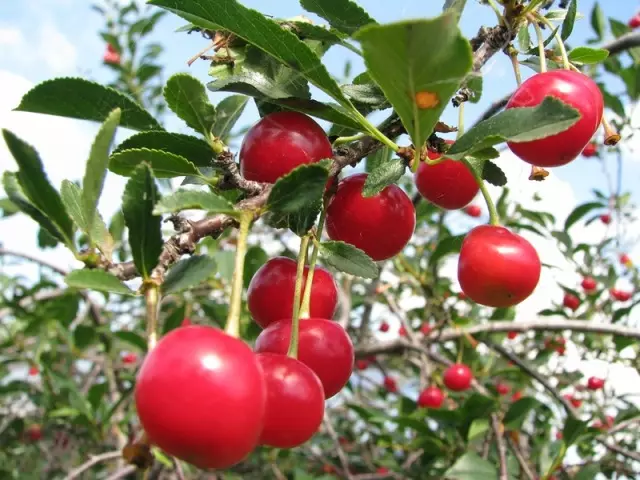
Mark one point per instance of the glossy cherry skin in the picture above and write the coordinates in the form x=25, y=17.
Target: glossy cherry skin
x=384, y=327
x=511, y=335
x=362, y=364
x=201, y=397
x=634, y=22
x=323, y=346
x=295, y=401
x=605, y=218
x=457, y=377
x=382, y=470
x=390, y=385
x=574, y=89
x=502, y=388
x=33, y=371
x=425, y=329
x=590, y=150
x=516, y=396
x=497, y=267
x=129, y=358
x=402, y=332
x=280, y=142
x=473, y=211
x=620, y=295
x=588, y=284
x=448, y=184
x=271, y=291
x=571, y=301
x=380, y=226
x=186, y=322
x=595, y=383
x=431, y=397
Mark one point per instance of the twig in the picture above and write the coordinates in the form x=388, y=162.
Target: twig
x=344, y=461
x=500, y=447
x=123, y=472
x=524, y=466
x=93, y=460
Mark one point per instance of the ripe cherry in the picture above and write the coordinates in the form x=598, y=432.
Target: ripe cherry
x=620, y=295
x=448, y=184
x=384, y=327
x=390, y=384
x=516, y=396
x=129, y=358
x=425, y=329
x=588, y=284
x=33, y=433
x=462, y=296
x=502, y=388
x=571, y=301
x=323, y=346
x=431, y=397
x=457, y=377
x=295, y=401
x=473, y=211
x=576, y=402
x=605, y=218
x=590, y=150
x=201, y=396
x=512, y=334
x=402, y=332
x=634, y=22
x=497, y=267
x=280, y=142
x=111, y=56
x=33, y=371
x=595, y=383
x=271, y=291
x=572, y=88
x=380, y=226
x=362, y=364
x=382, y=470
x=625, y=259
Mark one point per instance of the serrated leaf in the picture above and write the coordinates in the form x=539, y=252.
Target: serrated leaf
x=192, y=199
x=569, y=20
x=97, y=280
x=145, y=234
x=384, y=175
x=367, y=94
x=188, y=273
x=524, y=39
x=85, y=100
x=573, y=430
x=471, y=466
x=228, y=112
x=299, y=222
x=164, y=164
x=588, y=55
x=36, y=186
x=446, y=246
x=418, y=81
x=299, y=189
x=493, y=174
x=187, y=97
x=518, y=412
x=343, y=15
x=194, y=149
x=579, y=212
x=524, y=124
x=377, y=158
x=348, y=259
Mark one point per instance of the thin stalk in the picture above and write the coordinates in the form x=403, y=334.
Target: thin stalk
x=152, y=296
x=305, y=306
x=494, y=219
x=543, y=58
x=295, y=318
x=563, y=51
x=496, y=10
x=516, y=68
x=375, y=133
x=349, y=139
x=460, y=121
x=232, y=326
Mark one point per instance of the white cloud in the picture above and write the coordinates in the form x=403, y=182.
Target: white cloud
x=10, y=37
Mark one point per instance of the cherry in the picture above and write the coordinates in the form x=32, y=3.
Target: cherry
x=595, y=383
x=588, y=284
x=201, y=396
x=129, y=358
x=625, y=259
x=295, y=401
x=280, y=142
x=561, y=350
x=271, y=291
x=473, y=211
x=572, y=88
x=34, y=432
x=559, y=435
x=382, y=470
x=389, y=384
x=362, y=364
x=402, y=332
x=431, y=397
x=384, y=327
x=425, y=329
x=605, y=218
x=457, y=377
x=448, y=184
x=576, y=402
x=571, y=301
x=323, y=346
x=111, y=56
x=590, y=150
x=326, y=468
x=33, y=371
x=634, y=22
x=380, y=226
x=620, y=295
x=497, y=267
x=502, y=388
x=516, y=396
x=512, y=334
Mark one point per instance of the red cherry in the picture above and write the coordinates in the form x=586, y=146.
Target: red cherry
x=457, y=377
x=610, y=421
x=497, y=268
x=595, y=383
x=343, y=441
x=280, y=142
x=431, y=397
x=576, y=402
x=462, y=296
x=111, y=55
x=561, y=340
x=625, y=259
x=323, y=346
x=326, y=468
x=271, y=291
x=362, y=364
x=129, y=358
x=620, y=295
x=295, y=401
x=473, y=211
x=186, y=322
x=502, y=388
x=382, y=470
x=34, y=433
x=590, y=150
x=380, y=226
x=516, y=396
x=448, y=184
x=571, y=301
x=634, y=22
x=384, y=327
x=201, y=397
x=561, y=350
x=402, y=332
x=588, y=284
x=511, y=335
x=390, y=384
x=33, y=371
x=574, y=89
x=425, y=329
x=559, y=435
x=605, y=218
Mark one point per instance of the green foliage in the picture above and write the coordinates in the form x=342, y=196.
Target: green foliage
x=97, y=280
x=187, y=97
x=164, y=164
x=348, y=259
x=192, y=199
x=188, y=273
x=382, y=176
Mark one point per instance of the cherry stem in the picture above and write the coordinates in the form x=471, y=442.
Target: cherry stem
x=151, y=297
x=563, y=51
x=295, y=318
x=543, y=58
x=460, y=121
x=516, y=67
x=232, y=326
x=496, y=10
x=349, y=139
x=494, y=218
x=305, y=306
x=374, y=132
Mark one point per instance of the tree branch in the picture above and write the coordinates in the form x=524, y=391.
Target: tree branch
x=93, y=460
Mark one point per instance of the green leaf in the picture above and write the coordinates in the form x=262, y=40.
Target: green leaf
x=132, y=339
x=145, y=233
x=418, y=81
x=299, y=222
x=36, y=186
x=187, y=98
x=588, y=55
x=377, y=158
x=524, y=39
x=188, y=273
x=96, y=169
x=518, y=412
x=487, y=170
x=192, y=199
x=588, y=472
x=83, y=336
x=228, y=112
x=368, y=94
x=524, y=124
x=579, y=212
x=7, y=208
x=164, y=164
x=260, y=31
x=471, y=466
x=85, y=100
x=456, y=6
x=446, y=246
x=97, y=280
x=253, y=260
x=299, y=189
x=384, y=175
x=194, y=149
x=348, y=259
x=569, y=20
x=343, y=15
x=573, y=430
x=598, y=21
